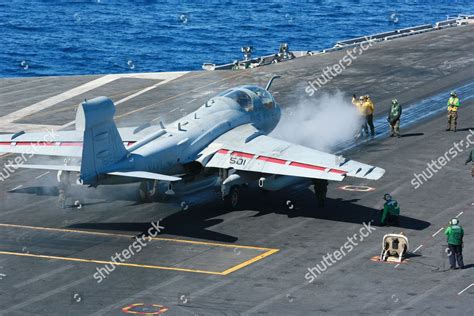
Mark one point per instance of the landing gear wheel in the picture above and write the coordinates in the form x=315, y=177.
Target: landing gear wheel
x=233, y=198
x=147, y=191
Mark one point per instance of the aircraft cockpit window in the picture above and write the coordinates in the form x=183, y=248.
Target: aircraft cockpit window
x=267, y=100
x=264, y=95
x=242, y=98
x=258, y=91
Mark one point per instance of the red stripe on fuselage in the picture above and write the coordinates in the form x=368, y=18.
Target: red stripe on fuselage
x=280, y=161
x=272, y=160
x=241, y=154
x=304, y=165
x=338, y=171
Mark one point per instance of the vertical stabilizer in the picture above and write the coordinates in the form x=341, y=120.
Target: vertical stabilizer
x=102, y=145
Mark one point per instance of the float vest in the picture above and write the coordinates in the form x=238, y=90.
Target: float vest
x=394, y=111
x=392, y=207
x=453, y=104
x=455, y=234
x=368, y=107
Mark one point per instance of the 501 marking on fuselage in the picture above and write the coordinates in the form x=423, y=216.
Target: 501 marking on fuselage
x=237, y=161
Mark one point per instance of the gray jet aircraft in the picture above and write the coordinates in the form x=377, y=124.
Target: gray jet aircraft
x=226, y=138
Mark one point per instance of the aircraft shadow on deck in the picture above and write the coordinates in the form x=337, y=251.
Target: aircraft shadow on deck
x=304, y=205
x=189, y=224
x=195, y=222
x=40, y=191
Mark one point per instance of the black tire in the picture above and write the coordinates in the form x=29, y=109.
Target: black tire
x=232, y=200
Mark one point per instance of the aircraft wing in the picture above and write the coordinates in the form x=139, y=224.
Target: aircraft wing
x=244, y=148
x=62, y=143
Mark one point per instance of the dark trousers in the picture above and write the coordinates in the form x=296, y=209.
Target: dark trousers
x=369, y=120
x=391, y=219
x=455, y=254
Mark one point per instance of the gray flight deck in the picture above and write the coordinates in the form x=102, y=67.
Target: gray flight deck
x=209, y=261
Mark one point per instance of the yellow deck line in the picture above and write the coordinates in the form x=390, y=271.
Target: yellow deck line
x=78, y=231
x=250, y=261
x=107, y=262
x=268, y=251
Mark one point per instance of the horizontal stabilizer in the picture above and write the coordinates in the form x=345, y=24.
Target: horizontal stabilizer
x=131, y=174
x=145, y=175
x=49, y=167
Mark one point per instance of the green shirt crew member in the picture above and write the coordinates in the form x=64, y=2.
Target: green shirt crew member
x=391, y=210
x=394, y=118
x=455, y=234
x=453, y=105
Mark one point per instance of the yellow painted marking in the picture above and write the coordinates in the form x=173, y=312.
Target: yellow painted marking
x=78, y=231
x=357, y=188
x=107, y=262
x=377, y=259
x=250, y=261
x=127, y=309
x=268, y=251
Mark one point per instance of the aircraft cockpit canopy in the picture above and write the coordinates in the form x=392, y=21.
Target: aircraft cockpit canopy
x=264, y=95
x=239, y=96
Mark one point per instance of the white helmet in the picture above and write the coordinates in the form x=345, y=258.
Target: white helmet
x=454, y=221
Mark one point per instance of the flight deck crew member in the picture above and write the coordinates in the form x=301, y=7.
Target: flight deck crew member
x=453, y=105
x=470, y=158
x=394, y=118
x=368, y=108
x=390, y=211
x=359, y=105
x=455, y=234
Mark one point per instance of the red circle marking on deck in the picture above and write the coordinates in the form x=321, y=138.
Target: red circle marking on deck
x=357, y=188
x=144, y=309
x=377, y=259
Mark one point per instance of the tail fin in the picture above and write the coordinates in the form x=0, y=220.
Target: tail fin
x=102, y=145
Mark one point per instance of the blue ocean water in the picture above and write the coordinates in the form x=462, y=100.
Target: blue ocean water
x=39, y=38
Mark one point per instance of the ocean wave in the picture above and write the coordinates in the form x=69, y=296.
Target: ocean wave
x=68, y=37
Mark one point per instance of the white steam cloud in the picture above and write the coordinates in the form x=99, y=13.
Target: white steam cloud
x=320, y=123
